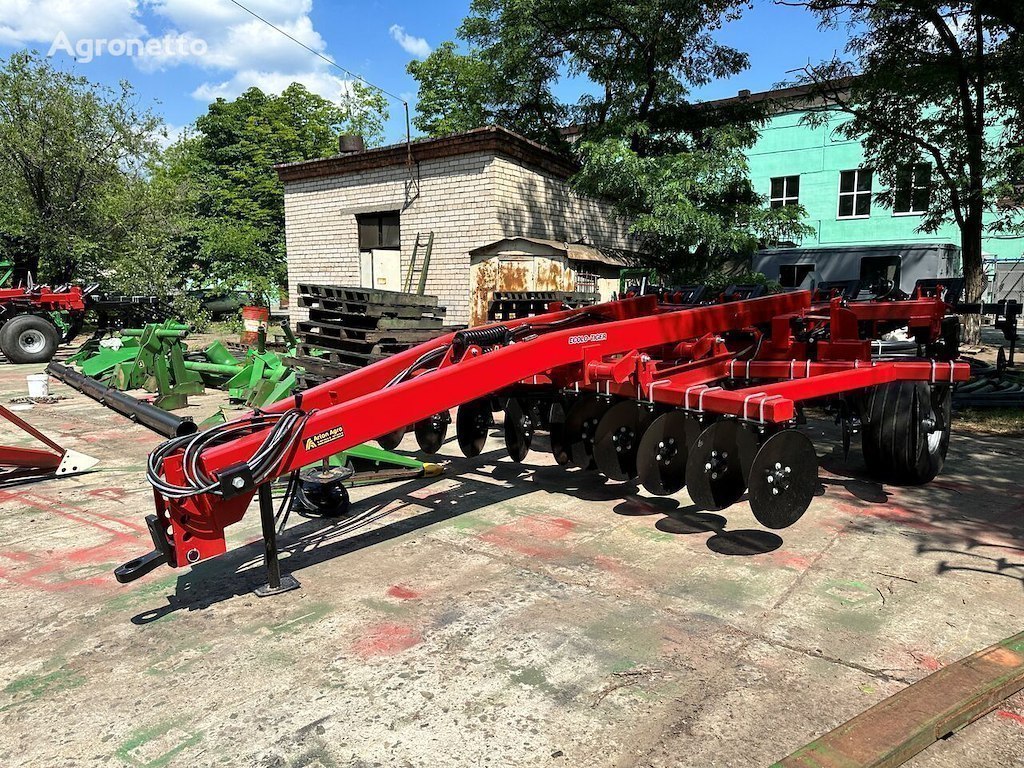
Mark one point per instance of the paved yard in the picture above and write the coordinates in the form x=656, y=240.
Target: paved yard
x=503, y=615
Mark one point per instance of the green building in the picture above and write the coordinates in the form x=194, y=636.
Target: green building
x=796, y=163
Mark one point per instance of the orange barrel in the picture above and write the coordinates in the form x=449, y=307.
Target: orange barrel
x=253, y=319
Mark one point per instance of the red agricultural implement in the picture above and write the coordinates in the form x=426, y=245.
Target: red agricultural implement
x=19, y=464
x=36, y=319
x=703, y=396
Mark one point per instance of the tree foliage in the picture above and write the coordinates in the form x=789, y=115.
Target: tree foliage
x=455, y=91
x=936, y=83
x=234, y=231
x=74, y=163
x=676, y=169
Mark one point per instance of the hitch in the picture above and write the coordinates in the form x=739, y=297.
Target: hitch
x=140, y=566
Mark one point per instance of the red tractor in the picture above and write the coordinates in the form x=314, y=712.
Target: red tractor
x=35, y=319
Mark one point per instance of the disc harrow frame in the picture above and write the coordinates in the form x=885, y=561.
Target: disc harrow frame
x=754, y=360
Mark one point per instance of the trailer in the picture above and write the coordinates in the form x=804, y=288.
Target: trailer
x=671, y=390
x=899, y=265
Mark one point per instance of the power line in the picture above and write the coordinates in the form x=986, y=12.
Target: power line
x=319, y=55
x=360, y=78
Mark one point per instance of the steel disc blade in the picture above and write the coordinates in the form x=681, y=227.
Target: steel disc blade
x=391, y=440
x=664, y=448
x=617, y=439
x=556, y=431
x=783, y=479
x=580, y=425
x=472, y=422
x=519, y=428
x=430, y=432
x=718, y=465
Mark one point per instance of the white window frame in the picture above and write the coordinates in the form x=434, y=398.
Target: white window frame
x=914, y=187
x=854, y=194
x=786, y=199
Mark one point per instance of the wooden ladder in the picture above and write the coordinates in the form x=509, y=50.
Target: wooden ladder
x=426, y=248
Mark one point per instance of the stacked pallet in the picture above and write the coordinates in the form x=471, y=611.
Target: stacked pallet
x=349, y=328
x=513, y=305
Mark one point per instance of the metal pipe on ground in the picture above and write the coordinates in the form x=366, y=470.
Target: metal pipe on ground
x=214, y=368
x=160, y=333
x=160, y=421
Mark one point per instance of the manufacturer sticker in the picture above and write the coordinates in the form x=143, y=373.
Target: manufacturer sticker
x=588, y=338
x=323, y=438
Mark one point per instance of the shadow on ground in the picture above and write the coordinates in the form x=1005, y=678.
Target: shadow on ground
x=965, y=517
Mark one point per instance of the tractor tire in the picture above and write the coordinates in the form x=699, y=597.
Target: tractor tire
x=906, y=428
x=29, y=339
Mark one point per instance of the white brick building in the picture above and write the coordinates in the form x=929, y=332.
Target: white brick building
x=470, y=190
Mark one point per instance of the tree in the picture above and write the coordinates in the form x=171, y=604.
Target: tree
x=455, y=91
x=933, y=84
x=234, y=236
x=675, y=169
x=692, y=207
x=73, y=165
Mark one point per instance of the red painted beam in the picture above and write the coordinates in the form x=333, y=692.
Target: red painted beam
x=14, y=456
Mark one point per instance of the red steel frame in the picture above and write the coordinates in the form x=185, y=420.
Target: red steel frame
x=630, y=348
x=44, y=298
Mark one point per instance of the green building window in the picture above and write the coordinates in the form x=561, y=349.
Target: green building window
x=785, y=191
x=855, y=194
x=913, y=189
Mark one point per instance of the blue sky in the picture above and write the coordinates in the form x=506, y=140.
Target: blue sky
x=201, y=49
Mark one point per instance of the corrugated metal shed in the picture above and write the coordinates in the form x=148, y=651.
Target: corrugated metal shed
x=536, y=264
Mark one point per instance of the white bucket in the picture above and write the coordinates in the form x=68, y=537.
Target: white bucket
x=38, y=385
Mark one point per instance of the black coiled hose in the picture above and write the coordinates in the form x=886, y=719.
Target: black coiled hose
x=285, y=432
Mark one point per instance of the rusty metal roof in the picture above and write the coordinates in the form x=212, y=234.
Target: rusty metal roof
x=489, y=139
x=573, y=251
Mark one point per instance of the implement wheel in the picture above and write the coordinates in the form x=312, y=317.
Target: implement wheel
x=29, y=339
x=906, y=431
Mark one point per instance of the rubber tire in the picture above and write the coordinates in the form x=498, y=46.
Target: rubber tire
x=13, y=328
x=894, y=441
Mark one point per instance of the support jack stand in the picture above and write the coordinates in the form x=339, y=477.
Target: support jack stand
x=276, y=581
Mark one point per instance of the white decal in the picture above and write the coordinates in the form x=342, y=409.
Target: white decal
x=588, y=338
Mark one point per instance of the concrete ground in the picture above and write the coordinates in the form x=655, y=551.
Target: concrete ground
x=503, y=615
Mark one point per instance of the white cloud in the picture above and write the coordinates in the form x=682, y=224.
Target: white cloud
x=169, y=133
x=232, y=50
x=322, y=83
x=237, y=41
x=415, y=46
x=35, y=22
x=249, y=52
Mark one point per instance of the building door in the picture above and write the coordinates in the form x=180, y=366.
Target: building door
x=381, y=269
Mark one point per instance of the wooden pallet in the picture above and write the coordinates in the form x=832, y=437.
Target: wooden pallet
x=360, y=326
x=374, y=323
x=369, y=335
x=367, y=295
x=575, y=298
x=355, y=346
x=512, y=306
x=343, y=357
x=370, y=309
x=310, y=371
